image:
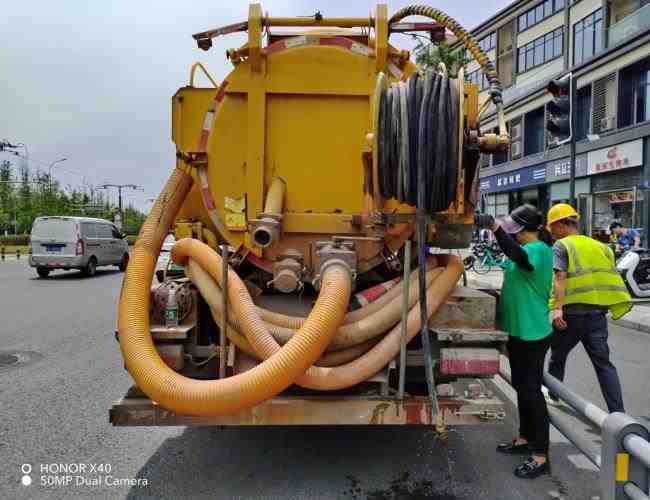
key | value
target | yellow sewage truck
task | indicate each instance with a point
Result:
(319, 194)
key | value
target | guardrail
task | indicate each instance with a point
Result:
(623, 460)
(3, 253)
(630, 25)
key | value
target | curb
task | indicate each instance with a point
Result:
(632, 325)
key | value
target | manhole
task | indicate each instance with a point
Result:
(13, 359)
(8, 359)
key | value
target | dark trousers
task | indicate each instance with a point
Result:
(591, 330)
(527, 371)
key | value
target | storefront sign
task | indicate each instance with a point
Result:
(559, 170)
(626, 155)
(625, 196)
(517, 179)
(621, 197)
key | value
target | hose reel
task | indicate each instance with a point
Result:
(418, 123)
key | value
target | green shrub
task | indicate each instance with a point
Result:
(15, 240)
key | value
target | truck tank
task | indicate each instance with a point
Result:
(300, 179)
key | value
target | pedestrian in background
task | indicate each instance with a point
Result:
(625, 238)
(524, 315)
(586, 286)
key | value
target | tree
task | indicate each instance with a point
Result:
(6, 195)
(25, 215)
(428, 56)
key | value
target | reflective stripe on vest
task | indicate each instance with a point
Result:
(592, 277)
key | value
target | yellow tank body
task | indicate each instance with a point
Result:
(299, 108)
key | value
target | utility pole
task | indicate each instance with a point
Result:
(119, 188)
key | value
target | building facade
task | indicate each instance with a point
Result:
(605, 44)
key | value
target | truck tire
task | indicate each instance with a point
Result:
(125, 262)
(43, 272)
(91, 269)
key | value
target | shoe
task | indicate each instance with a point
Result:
(530, 469)
(513, 449)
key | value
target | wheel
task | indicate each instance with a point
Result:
(43, 272)
(481, 266)
(91, 268)
(160, 275)
(125, 262)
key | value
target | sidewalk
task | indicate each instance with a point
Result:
(637, 319)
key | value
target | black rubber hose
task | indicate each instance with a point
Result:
(414, 119)
(439, 169)
(454, 117)
(432, 145)
(422, 239)
(396, 137)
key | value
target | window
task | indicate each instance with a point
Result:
(497, 205)
(478, 78)
(88, 230)
(588, 37)
(583, 112)
(104, 231)
(634, 97)
(537, 14)
(541, 50)
(486, 43)
(534, 132)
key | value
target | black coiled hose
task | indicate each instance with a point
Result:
(418, 124)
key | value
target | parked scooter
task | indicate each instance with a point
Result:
(634, 267)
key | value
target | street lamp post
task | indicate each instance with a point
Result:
(49, 174)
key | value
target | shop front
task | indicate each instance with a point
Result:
(502, 193)
(615, 175)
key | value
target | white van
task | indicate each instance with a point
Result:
(76, 243)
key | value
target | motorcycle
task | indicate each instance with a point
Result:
(634, 267)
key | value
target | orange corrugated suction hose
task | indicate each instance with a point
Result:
(213, 397)
(295, 322)
(346, 336)
(340, 377)
(212, 295)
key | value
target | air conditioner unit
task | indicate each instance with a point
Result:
(608, 123)
(515, 150)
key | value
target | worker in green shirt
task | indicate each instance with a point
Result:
(524, 315)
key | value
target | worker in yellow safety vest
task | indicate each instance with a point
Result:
(586, 286)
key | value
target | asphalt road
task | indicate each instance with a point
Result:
(54, 410)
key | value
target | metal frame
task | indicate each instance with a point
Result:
(624, 458)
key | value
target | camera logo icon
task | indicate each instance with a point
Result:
(26, 469)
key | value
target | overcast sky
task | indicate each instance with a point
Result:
(92, 81)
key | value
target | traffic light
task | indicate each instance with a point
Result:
(558, 123)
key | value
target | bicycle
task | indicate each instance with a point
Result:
(483, 264)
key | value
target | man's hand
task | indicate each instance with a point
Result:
(558, 319)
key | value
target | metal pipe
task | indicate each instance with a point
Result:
(589, 410)
(224, 308)
(634, 492)
(584, 445)
(205, 72)
(405, 311)
(337, 22)
(638, 447)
